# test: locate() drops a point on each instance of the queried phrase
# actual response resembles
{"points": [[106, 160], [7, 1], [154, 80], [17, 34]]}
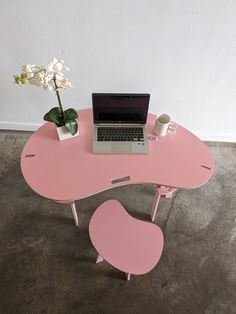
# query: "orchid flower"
{"points": [[51, 77]]}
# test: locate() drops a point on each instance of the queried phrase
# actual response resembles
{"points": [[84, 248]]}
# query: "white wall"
{"points": [[181, 51]]}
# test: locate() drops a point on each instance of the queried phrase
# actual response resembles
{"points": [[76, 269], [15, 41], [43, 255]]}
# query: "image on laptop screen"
{"points": [[120, 108]]}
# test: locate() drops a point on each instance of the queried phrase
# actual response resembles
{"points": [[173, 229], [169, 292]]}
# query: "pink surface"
{"points": [[128, 244], [68, 170]]}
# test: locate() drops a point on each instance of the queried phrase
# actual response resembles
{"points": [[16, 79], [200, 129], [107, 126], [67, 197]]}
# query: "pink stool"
{"points": [[128, 244], [165, 191]]}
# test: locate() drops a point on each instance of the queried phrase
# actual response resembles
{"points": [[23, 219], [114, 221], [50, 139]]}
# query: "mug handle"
{"points": [[172, 128]]}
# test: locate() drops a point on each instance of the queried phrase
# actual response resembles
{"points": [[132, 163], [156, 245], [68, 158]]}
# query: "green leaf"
{"points": [[72, 126], [54, 115], [70, 114]]}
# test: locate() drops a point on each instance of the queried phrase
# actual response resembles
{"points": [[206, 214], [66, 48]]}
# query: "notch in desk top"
{"points": [[118, 180]]}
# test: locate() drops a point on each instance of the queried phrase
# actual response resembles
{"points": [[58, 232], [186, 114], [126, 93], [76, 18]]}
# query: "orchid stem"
{"points": [[59, 98]]}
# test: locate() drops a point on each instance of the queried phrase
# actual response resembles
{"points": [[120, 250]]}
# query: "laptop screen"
{"points": [[120, 108]]}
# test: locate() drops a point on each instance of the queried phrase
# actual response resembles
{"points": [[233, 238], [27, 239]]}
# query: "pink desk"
{"points": [[67, 171]]}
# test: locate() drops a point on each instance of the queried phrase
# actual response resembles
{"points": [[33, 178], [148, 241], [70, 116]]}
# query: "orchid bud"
{"points": [[17, 79], [23, 79]]}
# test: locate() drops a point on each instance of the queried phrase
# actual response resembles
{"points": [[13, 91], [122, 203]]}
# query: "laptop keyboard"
{"points": [[112, 134]]}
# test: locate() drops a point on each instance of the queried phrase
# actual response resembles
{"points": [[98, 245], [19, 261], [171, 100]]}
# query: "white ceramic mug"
{"points": [[163, 125]]}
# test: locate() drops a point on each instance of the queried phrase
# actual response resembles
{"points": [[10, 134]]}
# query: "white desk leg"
{"points": [[73, 209], [155, 204]]}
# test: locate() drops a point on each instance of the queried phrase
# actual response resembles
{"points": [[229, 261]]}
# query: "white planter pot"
{"points": [[63, 133]]}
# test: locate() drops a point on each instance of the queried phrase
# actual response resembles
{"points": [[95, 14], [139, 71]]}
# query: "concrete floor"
{"points": [[47, 264]]}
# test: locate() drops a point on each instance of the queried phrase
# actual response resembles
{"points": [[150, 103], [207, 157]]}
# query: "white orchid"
{"points": [[57, 66], [27, 69], [51, 77], [64, 83]]}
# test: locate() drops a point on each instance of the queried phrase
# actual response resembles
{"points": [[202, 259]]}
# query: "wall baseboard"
{"points": [[217, 137], [18, 126], [214, 137]]}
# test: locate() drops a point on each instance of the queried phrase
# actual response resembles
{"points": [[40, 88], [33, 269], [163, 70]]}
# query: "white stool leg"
{"points": [[155, 205], [127, 276], [99, 259], [74, 213]]}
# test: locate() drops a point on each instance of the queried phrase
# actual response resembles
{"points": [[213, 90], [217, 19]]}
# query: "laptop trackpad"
{"points": [[121, 147]]}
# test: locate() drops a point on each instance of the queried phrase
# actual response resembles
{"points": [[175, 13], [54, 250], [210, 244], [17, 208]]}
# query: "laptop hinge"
{"points": [[119, 124]]}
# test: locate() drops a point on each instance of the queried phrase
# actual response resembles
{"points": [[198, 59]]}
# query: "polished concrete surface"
{"points": [[47, 265]]}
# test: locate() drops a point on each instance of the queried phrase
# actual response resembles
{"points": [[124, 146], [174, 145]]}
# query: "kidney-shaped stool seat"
{"points": [[128, 244]]}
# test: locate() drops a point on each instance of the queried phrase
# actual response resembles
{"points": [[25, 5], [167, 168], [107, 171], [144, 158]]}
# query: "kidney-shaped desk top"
{"points": [[68, 170]]}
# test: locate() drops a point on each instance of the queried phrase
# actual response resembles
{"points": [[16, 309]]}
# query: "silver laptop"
{"points": [[120, 123]]}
